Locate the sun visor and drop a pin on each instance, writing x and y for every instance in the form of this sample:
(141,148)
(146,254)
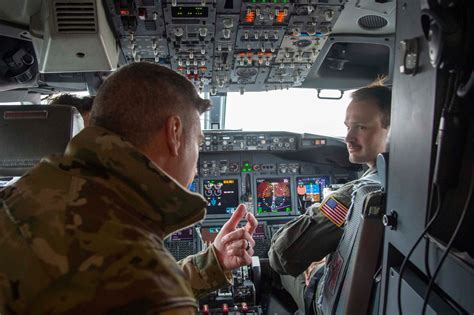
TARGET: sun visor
(349,62)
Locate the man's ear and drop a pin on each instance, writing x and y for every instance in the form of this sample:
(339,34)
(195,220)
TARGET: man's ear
(174,134)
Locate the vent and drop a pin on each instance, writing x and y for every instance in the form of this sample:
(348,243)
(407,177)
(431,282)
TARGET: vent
(372,22)
(75,17)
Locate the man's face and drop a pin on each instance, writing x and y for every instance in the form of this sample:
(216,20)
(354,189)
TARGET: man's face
(366,137)
(189,150)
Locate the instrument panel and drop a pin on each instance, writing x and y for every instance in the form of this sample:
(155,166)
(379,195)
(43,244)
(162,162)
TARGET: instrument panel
(226,46)
(276,182)
(276,185)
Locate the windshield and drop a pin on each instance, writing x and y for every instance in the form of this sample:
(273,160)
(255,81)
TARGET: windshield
(295,110)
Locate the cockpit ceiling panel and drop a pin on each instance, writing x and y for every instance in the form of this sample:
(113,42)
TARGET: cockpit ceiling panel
(243,45)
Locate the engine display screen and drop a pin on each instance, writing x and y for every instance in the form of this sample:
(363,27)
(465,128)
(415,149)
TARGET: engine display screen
(273,195)
(310,190)
(222,195)
(183,235)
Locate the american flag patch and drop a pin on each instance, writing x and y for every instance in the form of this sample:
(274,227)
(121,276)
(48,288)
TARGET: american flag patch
(334,211)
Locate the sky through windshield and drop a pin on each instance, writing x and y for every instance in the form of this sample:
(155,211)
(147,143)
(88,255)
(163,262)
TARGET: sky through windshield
(296,110)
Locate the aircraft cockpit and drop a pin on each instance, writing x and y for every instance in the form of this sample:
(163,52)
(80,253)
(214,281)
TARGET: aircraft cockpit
(243,55)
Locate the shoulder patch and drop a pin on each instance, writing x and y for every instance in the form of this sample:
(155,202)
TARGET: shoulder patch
(335,211)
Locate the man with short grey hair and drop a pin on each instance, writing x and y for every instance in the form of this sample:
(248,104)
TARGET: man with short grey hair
(82,233)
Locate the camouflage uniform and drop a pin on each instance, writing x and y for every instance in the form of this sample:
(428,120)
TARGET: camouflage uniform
(83,234)
(308,238)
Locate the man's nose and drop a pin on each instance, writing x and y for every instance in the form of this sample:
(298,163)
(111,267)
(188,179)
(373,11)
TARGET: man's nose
(349,135)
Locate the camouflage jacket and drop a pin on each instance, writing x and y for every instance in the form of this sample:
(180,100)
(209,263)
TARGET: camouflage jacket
(315,234)
(83,233)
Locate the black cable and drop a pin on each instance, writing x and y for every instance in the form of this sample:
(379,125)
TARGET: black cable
(463,89)
(412,249)
(448,247)
(438,206)
(448,104)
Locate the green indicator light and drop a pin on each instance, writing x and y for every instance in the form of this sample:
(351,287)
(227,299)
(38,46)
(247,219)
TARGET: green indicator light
(246,164)
(244,170)
(249,170)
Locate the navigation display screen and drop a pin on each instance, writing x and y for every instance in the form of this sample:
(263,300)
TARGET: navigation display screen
(222,195)
(310,190)
(273,195)
(183,235)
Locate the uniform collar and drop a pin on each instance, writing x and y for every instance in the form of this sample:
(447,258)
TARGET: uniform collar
(370,171)
(167,205)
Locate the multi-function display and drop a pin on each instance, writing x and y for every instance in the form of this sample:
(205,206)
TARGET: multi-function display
(273,195)
(222,195)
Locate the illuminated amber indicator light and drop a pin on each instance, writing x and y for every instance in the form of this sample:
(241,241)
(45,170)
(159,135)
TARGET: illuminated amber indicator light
(280,18)
(228,181)
(250,16)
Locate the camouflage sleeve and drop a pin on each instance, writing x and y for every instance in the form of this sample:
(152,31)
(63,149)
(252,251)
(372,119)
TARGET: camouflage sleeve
(309,237)
(204,272)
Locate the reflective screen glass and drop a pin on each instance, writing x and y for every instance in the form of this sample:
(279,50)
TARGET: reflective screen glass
(273,195)
(222,195)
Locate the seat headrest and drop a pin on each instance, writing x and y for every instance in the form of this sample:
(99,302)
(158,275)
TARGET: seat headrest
(382,169)
(30,132)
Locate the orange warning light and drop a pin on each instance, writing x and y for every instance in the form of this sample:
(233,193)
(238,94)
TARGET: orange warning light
(250,16)
(280,18)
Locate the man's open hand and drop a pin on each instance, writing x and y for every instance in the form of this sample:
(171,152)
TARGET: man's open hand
(234,246)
